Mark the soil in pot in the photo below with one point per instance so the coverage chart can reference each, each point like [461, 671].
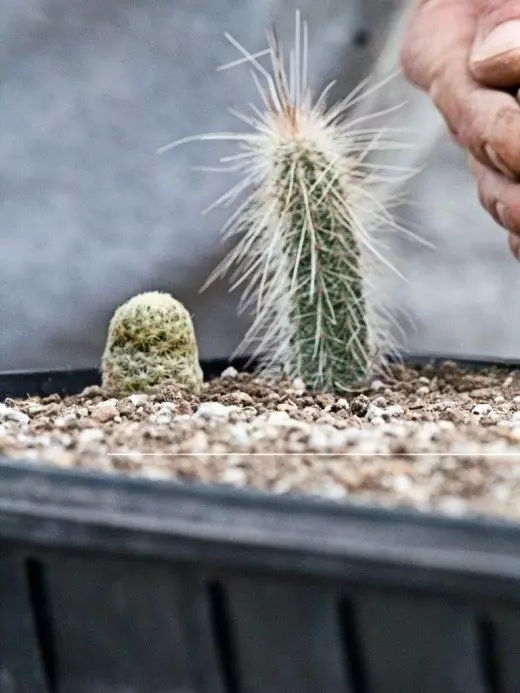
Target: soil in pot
[432, 438]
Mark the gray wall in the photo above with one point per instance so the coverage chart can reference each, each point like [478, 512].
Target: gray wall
[89, 215]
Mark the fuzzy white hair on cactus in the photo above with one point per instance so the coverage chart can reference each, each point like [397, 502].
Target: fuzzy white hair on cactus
[304, 230]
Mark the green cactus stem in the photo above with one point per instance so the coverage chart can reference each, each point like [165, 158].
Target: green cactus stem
[308, 202]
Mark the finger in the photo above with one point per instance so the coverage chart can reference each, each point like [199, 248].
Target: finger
[491, 194]
[495, 57]
[498, 195]
[433, 31]
[435, 57]
[514, 245]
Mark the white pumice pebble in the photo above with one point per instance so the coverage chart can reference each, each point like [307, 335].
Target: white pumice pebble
[213, 411]
[278, 417]
[234, 475]
[393, 410]
[229, 372]
[90, 437]
[373, 412]
[9, 414]
[480, 409]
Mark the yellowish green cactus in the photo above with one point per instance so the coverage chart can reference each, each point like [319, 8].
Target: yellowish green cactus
[151, 341]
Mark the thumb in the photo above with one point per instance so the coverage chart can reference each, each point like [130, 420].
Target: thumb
[495, 57]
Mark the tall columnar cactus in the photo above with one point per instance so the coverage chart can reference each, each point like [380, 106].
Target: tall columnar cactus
[150, 341]
[305, 226]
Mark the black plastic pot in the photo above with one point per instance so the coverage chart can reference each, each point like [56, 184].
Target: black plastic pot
[111, 584]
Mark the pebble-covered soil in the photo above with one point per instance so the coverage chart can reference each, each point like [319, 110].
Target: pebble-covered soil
[432, 438]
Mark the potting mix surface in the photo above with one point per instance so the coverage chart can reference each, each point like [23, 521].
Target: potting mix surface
[433, 438]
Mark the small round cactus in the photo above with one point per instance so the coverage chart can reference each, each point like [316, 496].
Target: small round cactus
[151, 341]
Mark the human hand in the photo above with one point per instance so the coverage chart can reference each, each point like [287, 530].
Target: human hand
[466, 55]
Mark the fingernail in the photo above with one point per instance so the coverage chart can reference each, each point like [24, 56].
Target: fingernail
[504, 39]
[503, 215]
[497, 161]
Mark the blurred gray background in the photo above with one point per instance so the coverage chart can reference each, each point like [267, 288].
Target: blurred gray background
[89, 215]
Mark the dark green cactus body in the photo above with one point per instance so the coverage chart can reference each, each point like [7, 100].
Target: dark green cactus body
[331, 347]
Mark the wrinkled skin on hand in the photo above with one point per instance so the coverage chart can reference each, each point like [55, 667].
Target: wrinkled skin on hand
[466, 55]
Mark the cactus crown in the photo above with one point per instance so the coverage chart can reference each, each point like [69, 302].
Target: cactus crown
[304, 228]
[150, 340]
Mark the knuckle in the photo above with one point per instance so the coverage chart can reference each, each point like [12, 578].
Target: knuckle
[496, 12]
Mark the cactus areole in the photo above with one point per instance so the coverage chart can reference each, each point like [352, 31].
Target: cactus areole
[306, 206]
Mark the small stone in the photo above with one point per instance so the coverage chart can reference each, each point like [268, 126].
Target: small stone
[229, 372]
[34, 409]
[456, 415]
[490, 419]
[333, 491]
[310, 413]
[278, 417]
[423, 380]
[359, 405]
[377, 385]
[509, 380]
[51, 399]
[238, 435]
[402, 483]
[137, 399]
[448, 367]
[502, 493]
[198, 444]
[499, 399]
[163, 416]
[89, 437]
[380, 402]
[327, 419]
[454, 506]
[104, 411]
[170, 407]
[342, 403]
[393, 410]
[319, 438]
[213, 411]
[298, 385]
[446, 425]
[325, 400]
[91, 391]
[423, 390]
[66, 421]
[8, 414]
[125, 407]
[238, 398]
[481, 409]
[167, 392]
[234, 475]
[286, 406]
[374, 412]
[149, 472]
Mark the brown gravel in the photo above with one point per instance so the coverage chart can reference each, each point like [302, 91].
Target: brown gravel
[429, 438]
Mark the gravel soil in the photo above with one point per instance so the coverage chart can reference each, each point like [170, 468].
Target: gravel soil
[432, 438]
